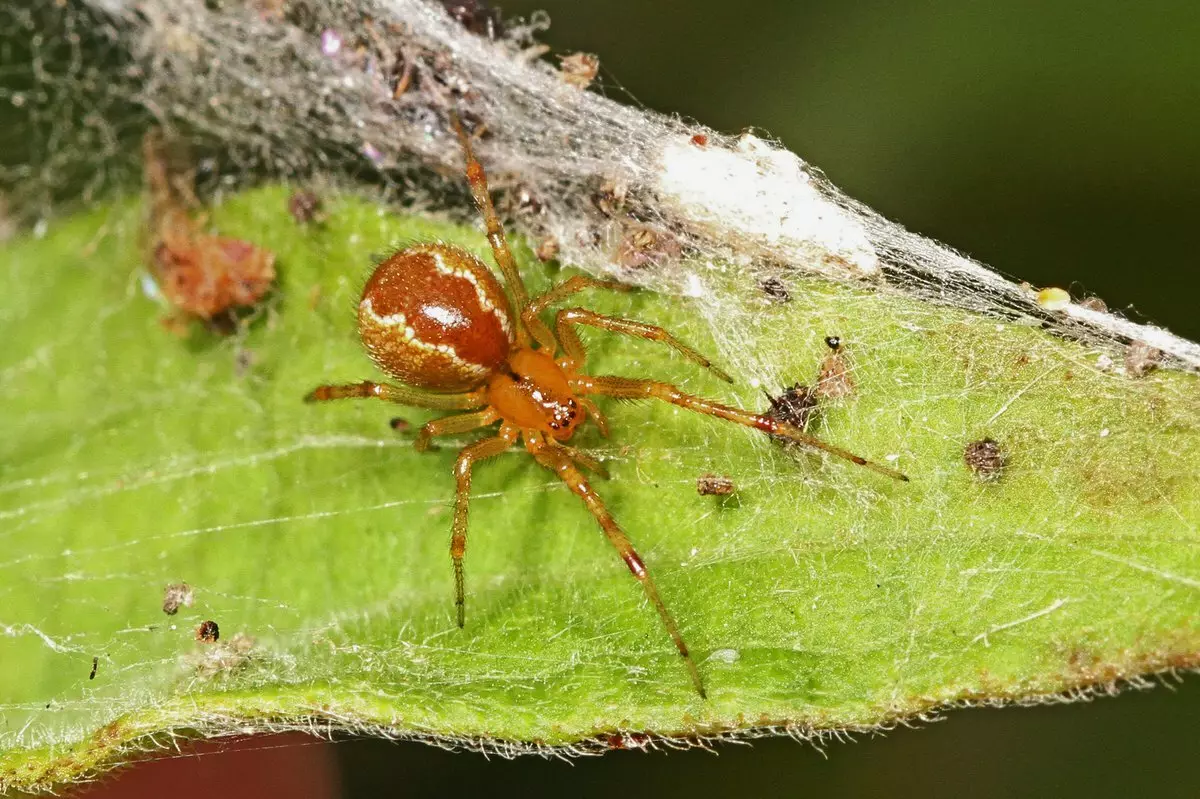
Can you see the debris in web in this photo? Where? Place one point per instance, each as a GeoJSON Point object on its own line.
{"type": "Point", "coordinates": [363, 89]}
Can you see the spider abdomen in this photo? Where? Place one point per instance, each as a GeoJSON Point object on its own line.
{"type": "Point", "coordinates": [433, 316]}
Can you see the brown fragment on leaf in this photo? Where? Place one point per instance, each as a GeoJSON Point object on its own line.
{"type": "Point", "coordinates": [547, 249]}
{"type": "Point", "coordinates": [201, 275]}
{"type": "Point", "coordinates": [774, 288]}
{"type": "Point", "coordinates": [986, 459]}
{"type": "Point", "coordinates": [1141, 359]}
{"type": "Point", "coordinates": [642, 246]}
{"type": "Point", "coordinates": [1094, 304]}
{"type": "Point", "coordinates": [834, 379]}
{"type": "Point", "coordinates": [579, 69]}
{"type": "Point", "coordinates": [176, 595]}
{"type": "Point", "coordinates": [208, 632]}
{"type": "Point", "coordinates": [708, 485]}
{"type": "Point", "coordinates": [305, 207]}
{"type": "Point", "coordinates": [795, 406]}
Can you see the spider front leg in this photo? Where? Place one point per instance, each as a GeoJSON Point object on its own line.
{"type": "Point", "coordinates": [537, 328]}
{"type": "Point", "coordinates": [630, 388]}
{"type": "Point", "coordinates": [467, 457]}
{"type": "Point", "coordinates": [573, 347]}
{"type": "Point", "coordinates": [450, 425]}
{"type": "Point", "coordinates": [560, 463]}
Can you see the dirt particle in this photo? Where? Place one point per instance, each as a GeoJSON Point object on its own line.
{"type": "Point", "coordinates": [476, 16]}
{"type": "Point", "coordinates": [95, 665]}
{"type": "Point", "coordinates": [203, 276]}
{"type": "Point", "coordinates": [986, 458]}
{"type": "Point", "coordinates": [208, 632]}
{"type": "Point", "coordinates": [774, 288]}
{"type": "Point", "coordinates": [834, 379]}
{"type": "Point", "coordinates": [305, 207]}
{"type": "Point", "coordinates": [579, 69]}
{"type": "Point", "coordinates": [399, 424]}
{"type": "Point", "coordinates": [547, 249]}
{"type": "Point", "coordinates": [610, 198]}
{"type": "Point", "coordinates": [795, 406]}
{"type": "Point", "coordinates": [175, 595]}
{"type": "Point", "coordinates": [708, 485]}
{"type": "Point", "coordinates": [642, 246]}
{"type": "Point", "coordinates": [1141, 359]}
{"type": "Point", "coordinates": [222, 660]}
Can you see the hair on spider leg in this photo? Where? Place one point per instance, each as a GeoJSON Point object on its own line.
{"type": "Point", "coordinates": [454, 337]}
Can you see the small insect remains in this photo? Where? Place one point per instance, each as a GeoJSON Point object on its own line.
{"type": "Point", "coordinates": [436, 319]}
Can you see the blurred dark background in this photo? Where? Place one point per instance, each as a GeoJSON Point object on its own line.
{"type": "Point", "coordinates": [1056, 141]}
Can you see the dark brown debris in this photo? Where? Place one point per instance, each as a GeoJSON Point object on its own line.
{"type": "Point", "coordinates": [795, 406]}
{"type": "Point", "coordinates": [208, 632]}
{"type": "Point", "coordinates": [400, 424]}
{"type": "Point", "coordinates": [720, 485]}
{"type": "Point", "coordinates": [986, 458]}
{"type": "Point", "coordinates": [476, 16]}
{"type": "Point", "coordinates": [95, 665]}
{"type": "Point", "coordinates": [175, 595]}
{"type": "Point", "coordinates": [305, 207]}
{"type": "Point", "coordinates": [774, 288]}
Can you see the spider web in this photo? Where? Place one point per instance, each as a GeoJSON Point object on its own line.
{"type": "Point", "coordinates": [297, 90]}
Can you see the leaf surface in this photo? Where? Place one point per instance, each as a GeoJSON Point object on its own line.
{"type": "Point", "coordinates": [819, 596]}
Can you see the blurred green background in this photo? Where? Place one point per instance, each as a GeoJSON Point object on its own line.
{"type": "Point", "coordinates": [1055, 141]}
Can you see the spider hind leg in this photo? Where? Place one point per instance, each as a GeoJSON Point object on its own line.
{"type": "Point", "coordinates": [559, 462]}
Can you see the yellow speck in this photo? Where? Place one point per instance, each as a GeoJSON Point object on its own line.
{"type": "Point", "coordinates": [1053, 299]}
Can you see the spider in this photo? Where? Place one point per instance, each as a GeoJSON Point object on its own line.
{"type": "Point", "coordinates": [436, 319]}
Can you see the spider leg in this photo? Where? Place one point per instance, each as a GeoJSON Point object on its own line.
{"type": "Point", "coordinates": [449, 425]}
{"type": "Point", "coordinates": [402, 395]}
{"type": "Point", "coordinates": [559, 463]}
{"type": "Point", "coordinates": [467, 457]}
{"type": "Point", "coordinates": [537, 328]}
{"type": "Point", "coordinates": [631, 388]}
{"type": "Point", "coordinates": [600, 419]}
{"type": "Point", "coordinates": [477, 179]}
{"type": "Point", "coordinates": [573, 347]}
{"type": "Point", "coordinates": [588, 462]}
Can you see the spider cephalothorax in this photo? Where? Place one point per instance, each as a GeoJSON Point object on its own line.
{"type": "Point", "coordinates": [434, 317]}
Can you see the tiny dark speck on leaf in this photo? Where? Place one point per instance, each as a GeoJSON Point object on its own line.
{"type": "Point", "coordinates": [774, 288]}
{"type": "Point", "coordinates": [95, 665]}
{"type": "Point", "coordinates": [986, 458]}
{"type": "Point", "coordinates": [208, 632]}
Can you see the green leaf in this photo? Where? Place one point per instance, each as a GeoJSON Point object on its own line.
{"type": "Point", "coordinates": [820, 596]}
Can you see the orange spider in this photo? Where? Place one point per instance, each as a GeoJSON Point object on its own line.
{"type": "Point", "coordinates": [434, 317]}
